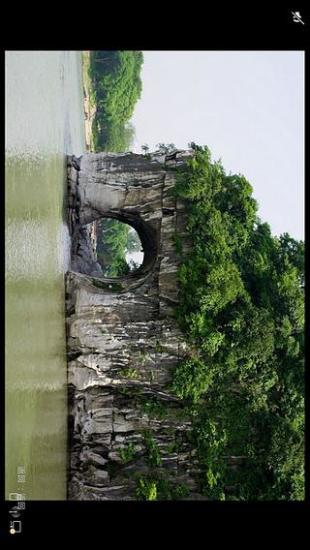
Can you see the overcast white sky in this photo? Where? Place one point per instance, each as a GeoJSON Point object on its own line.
{"type": "Point", "coordinates": [248, 107]}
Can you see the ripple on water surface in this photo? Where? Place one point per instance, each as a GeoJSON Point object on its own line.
{"type": "Point", "coordinates": [44, 122]}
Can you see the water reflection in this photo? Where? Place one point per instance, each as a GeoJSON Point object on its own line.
{"type": "Point", "coordinates": [44, 122]}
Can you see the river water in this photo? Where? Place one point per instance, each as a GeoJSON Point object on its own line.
{"type": "Point", "coordinates": [44, 122]}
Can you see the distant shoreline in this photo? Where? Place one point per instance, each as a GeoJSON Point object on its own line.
{"type": "Point", "coordinates": [89, 105]}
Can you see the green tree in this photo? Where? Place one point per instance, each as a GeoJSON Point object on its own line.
{"type": "Point", "coordinates": [114, 240]}
{"type": "Point", "coordinates": [116, 80]}
{"type": "Point", "coordinates": [242, 309]}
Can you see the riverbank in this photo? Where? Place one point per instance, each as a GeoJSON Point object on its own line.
{"type": "Point", "coordinates": [89, 100]}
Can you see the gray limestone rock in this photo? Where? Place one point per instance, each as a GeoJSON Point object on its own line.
{"type": "Point", "coordinates": [122, 338]}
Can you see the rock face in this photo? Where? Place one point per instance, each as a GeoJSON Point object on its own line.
{"type": "Point", "coordinates": [122, 337]}
{"type": "Point", "coordinates": [84, 257]}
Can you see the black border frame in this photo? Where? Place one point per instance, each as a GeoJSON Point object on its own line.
{"type": "Point", "coordinates": [217, 28]}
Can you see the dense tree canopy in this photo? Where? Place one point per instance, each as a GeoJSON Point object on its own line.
{"type": "Point", "coordinates": [242, 308]}
{"type": "Point", "coordinates": [116, 80]}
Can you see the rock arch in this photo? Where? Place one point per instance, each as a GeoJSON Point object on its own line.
{"type": "Point", "coordinates": [122, 336]}
{"type": "Point", "coordinates": [83, 262]}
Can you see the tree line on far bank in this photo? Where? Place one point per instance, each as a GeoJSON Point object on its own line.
{"type": "Point", "coordinates": [117, 86]}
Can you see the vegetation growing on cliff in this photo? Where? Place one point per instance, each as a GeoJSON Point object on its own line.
{"type": "Point", "coordinates": [158, 488]}
{"type": "Point", "coordinates": [117, 85]}
{"type": "Point", "coordinates": [242, 309]}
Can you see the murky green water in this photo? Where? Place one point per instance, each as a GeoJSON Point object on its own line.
{"type": "Point", "coordinates": [44, 122]}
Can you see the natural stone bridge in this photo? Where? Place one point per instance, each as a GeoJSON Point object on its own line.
{"type": "Point", "coordinates": [122, 337]}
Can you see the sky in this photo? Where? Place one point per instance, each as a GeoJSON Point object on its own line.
{"type": "Point", "coordinates": [246, 106]}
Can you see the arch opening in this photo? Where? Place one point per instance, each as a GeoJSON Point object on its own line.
{"type": "Point", "coordinates": [116, 247]}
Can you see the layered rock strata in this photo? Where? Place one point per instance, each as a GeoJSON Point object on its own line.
{"type": "Point", "coordinates": [122, 337]}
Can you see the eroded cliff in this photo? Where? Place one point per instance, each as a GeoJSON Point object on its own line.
{"type": "Point", "coordinates": [122, 337]}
